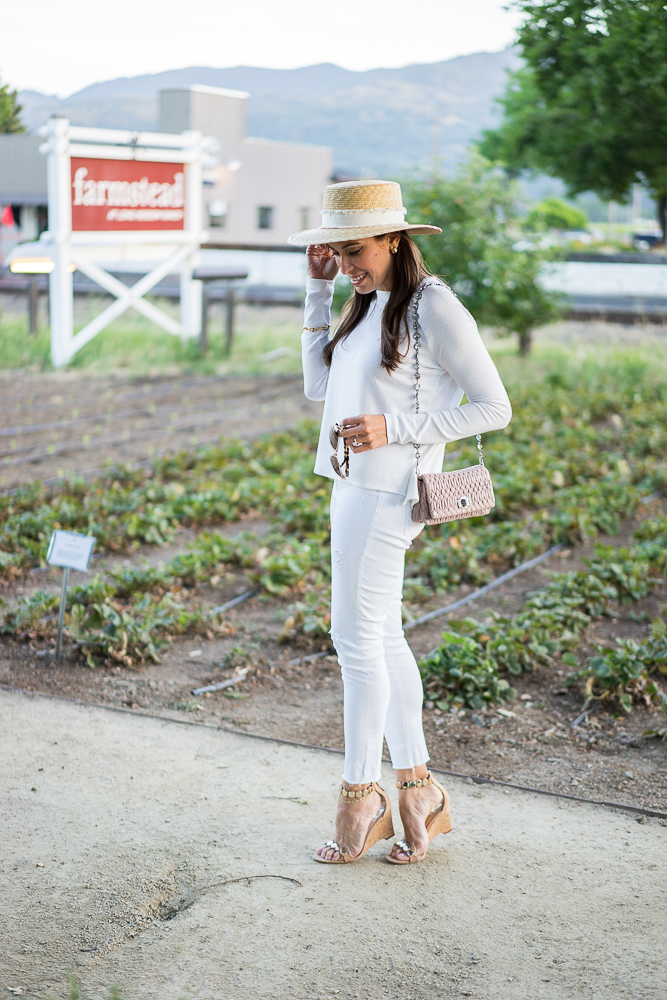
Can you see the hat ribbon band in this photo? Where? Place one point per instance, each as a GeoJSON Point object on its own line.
{"type": "Point", "coordinates": [356, 217]}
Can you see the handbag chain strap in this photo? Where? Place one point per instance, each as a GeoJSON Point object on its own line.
{"type": "Point", "coordinates": [417, 340]}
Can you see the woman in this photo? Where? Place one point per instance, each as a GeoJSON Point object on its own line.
{"type": "Point", "coordinates": [365, 373]}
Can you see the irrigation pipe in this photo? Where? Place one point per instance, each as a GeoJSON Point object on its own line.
{"type": "Point", "coordinates": [230, 604]}
{"type": "Point", "coordinates": [475, 778]}
{"type": "Point", "coordinates": [484, 590]}
{"type": "Point", "coordinates": [221, 685]}
{"type": "Point", "coordinates": [457, 604]}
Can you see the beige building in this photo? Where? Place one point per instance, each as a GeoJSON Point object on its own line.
{"type": "Point", "coordinates": [261, 190]}
{"type": "Point", "coordinates": [259, 193]}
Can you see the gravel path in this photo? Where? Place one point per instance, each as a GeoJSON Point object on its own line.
{"type": "Point", "coordinates": [118, 832]}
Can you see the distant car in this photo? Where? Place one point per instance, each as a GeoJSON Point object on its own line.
{"type": "Point", "coordinates": [647, 236]}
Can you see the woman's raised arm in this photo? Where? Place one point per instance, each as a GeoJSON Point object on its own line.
{"type": "Point", "coordinates": [322, 269]}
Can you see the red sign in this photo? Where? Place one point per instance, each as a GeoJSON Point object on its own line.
{"type": "Point", "coordinates": [126, 194]}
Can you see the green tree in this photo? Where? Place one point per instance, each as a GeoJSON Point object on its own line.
{"type": "Point", "coordinates": [590, 106]}
{"type": "Point", "coordinates": [10, 111]}
{"type": "Point", "coordinates": [481, 253]}
{"type": "Point", "coordinates": [552, 213]}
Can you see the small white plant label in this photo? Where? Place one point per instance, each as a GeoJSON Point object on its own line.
{"type": "Point", "coordinates": [70, 550]}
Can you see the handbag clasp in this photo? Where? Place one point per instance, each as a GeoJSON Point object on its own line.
{"type": "Point", "coordinates": [463, 502]}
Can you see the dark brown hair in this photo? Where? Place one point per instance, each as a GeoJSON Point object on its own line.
{"type": "Point", "coordinates": [409, 269]}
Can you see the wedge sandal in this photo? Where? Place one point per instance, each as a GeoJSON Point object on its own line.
{"type": "Point", "coordinates": [438, 821]}
{"type": "Point", "coordinates": [381, 826]}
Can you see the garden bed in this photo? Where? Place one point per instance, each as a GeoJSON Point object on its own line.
{"type": "Point", "coordinates": [581, 466]}
{"type": "Point", "coordinates": [536, 745]}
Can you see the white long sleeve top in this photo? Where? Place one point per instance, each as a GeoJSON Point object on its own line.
{"type": "Point", "coordinates": [452, 359]}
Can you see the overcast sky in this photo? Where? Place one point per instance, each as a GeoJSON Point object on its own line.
{"type": "Point", "coordinates": [60, 46]}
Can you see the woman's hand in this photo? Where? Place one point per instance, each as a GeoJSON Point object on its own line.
{"type": "Point", "coordinates": [321, 262]}
{"type": "Point", "coordinates": [368, 431]}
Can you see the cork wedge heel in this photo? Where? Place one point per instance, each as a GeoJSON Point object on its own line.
{"type": "Point", "coordinates": [381, 828]}
{"type": "Point", "coordinates": [438, 821]}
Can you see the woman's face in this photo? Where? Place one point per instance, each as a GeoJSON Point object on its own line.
{"type": "Point", "coordinates": [369, 263]}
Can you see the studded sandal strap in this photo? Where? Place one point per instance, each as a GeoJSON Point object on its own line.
{"type": "Point", "coordinates": [416, 782]}
{"type": "Point", "coordinates": [359, 793]}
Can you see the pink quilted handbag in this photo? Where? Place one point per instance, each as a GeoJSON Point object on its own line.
{"type": "Point", "coordinates": [448, 496]}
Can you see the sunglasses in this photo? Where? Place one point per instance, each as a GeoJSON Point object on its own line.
{"type": "Point", "coordinates": [341, 470]}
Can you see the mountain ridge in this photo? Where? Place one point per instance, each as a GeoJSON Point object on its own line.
{"type": "Point", "coordinates": [380, 121]}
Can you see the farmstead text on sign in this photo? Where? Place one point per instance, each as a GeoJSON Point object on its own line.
{"type": "Point", "coordinates": [126, 194]}
{"type": "Point", "coordinates": [121, 195]}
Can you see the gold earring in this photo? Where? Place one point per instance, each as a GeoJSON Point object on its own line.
{"type": "Point", "coordinates": [394, 249]}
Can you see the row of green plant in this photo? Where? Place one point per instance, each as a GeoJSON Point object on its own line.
{"type": "Point", "coordinates": [102, 628]}
{"type": "Point", "coordinates": [131, 613]}
{"type": "Point", "coordinates": [569, 465]}
{"type": "Point", "coordinates": [471, 665]}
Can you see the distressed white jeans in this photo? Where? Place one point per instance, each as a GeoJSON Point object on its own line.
{"type": "Point", "coordinates": [370, 533]}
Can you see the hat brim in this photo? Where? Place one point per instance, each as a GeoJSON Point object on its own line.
{"type": "Point", "coordinates": [311, 237]}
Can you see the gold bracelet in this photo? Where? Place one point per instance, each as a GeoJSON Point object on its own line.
{"type": "Point", "coordinates": [316, 329]}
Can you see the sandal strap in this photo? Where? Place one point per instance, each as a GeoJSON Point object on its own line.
{"type": "Point", "coordinates": [334, 845]}
{"type": "Point", "coordinates": [404, 848]}
{"type": "Point", "coordinates": [416, 782]}
{"type": "Point", "coordinates": [360, 793]}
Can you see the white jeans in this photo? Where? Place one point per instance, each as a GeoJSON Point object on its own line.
{"type": "Point", "coordinates": [370, 532]}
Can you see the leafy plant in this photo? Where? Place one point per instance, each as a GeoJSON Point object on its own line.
{"type": "Point", "coordinates": [10, 111]}
{"type": "Point", "coordinates": [590, 104]}
{"type": "Point", "coordinates": [309, 618]}
{"type": "Point", "coordinates": [554, 213]}
{"type": "Point", "coordinates": [464, 668]}
{"type": "Point", "coordinates": [461, 673]}
{"type": "Point", "coordinates": [624, 674]}
{"type": "Point", "coordinates": [479, 253]}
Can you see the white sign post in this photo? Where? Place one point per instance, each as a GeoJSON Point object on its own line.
{"type": "Point", "coordinates": [70, 551]}
{"type": "Point", "coordinates": [116, 194]}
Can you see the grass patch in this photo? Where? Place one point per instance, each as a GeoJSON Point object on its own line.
{"type": "Point", "coordinates": [135, 346]}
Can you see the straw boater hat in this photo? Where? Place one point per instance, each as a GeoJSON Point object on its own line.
{"type": "Point", "coordinates": [356, 209]}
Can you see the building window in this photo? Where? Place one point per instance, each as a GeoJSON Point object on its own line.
{"type": "Point", "coordinates": [265, 217]}
{"type": "Point", "coordinates": [305, 217]}
{"type": "Point", "coordinates": [42, 219]}
{"type": "Point", "coordinates": [217, 212]}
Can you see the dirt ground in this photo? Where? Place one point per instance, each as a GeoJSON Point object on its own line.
{"type": "Point", "coordinates": [61, 422]}
{"type": "Point", "coordinates": [605, 757]}
{"type": "Point", "coordinates": [175, 861]}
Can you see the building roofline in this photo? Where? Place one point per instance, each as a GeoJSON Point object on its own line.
{"type": "Point", "coordinates": [200, 88]}
{"type": "Point", "coordinates": [18, 198]}
{"type": "Point", "coordinates": [284, 142]}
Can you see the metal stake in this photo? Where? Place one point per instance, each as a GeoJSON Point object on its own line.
{"type": "Point", "coordinates": [61, 614]}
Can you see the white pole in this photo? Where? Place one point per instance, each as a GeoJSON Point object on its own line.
{"type": "Point", "coordinates": [60, 229]}
{"type": "Point", "coordinates": [191, 291]}
{"type": "Point", "coordinates": [636, 203]}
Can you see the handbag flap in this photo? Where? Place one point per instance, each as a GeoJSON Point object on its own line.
{"type": "Point", "coordinates": [461, 492]}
